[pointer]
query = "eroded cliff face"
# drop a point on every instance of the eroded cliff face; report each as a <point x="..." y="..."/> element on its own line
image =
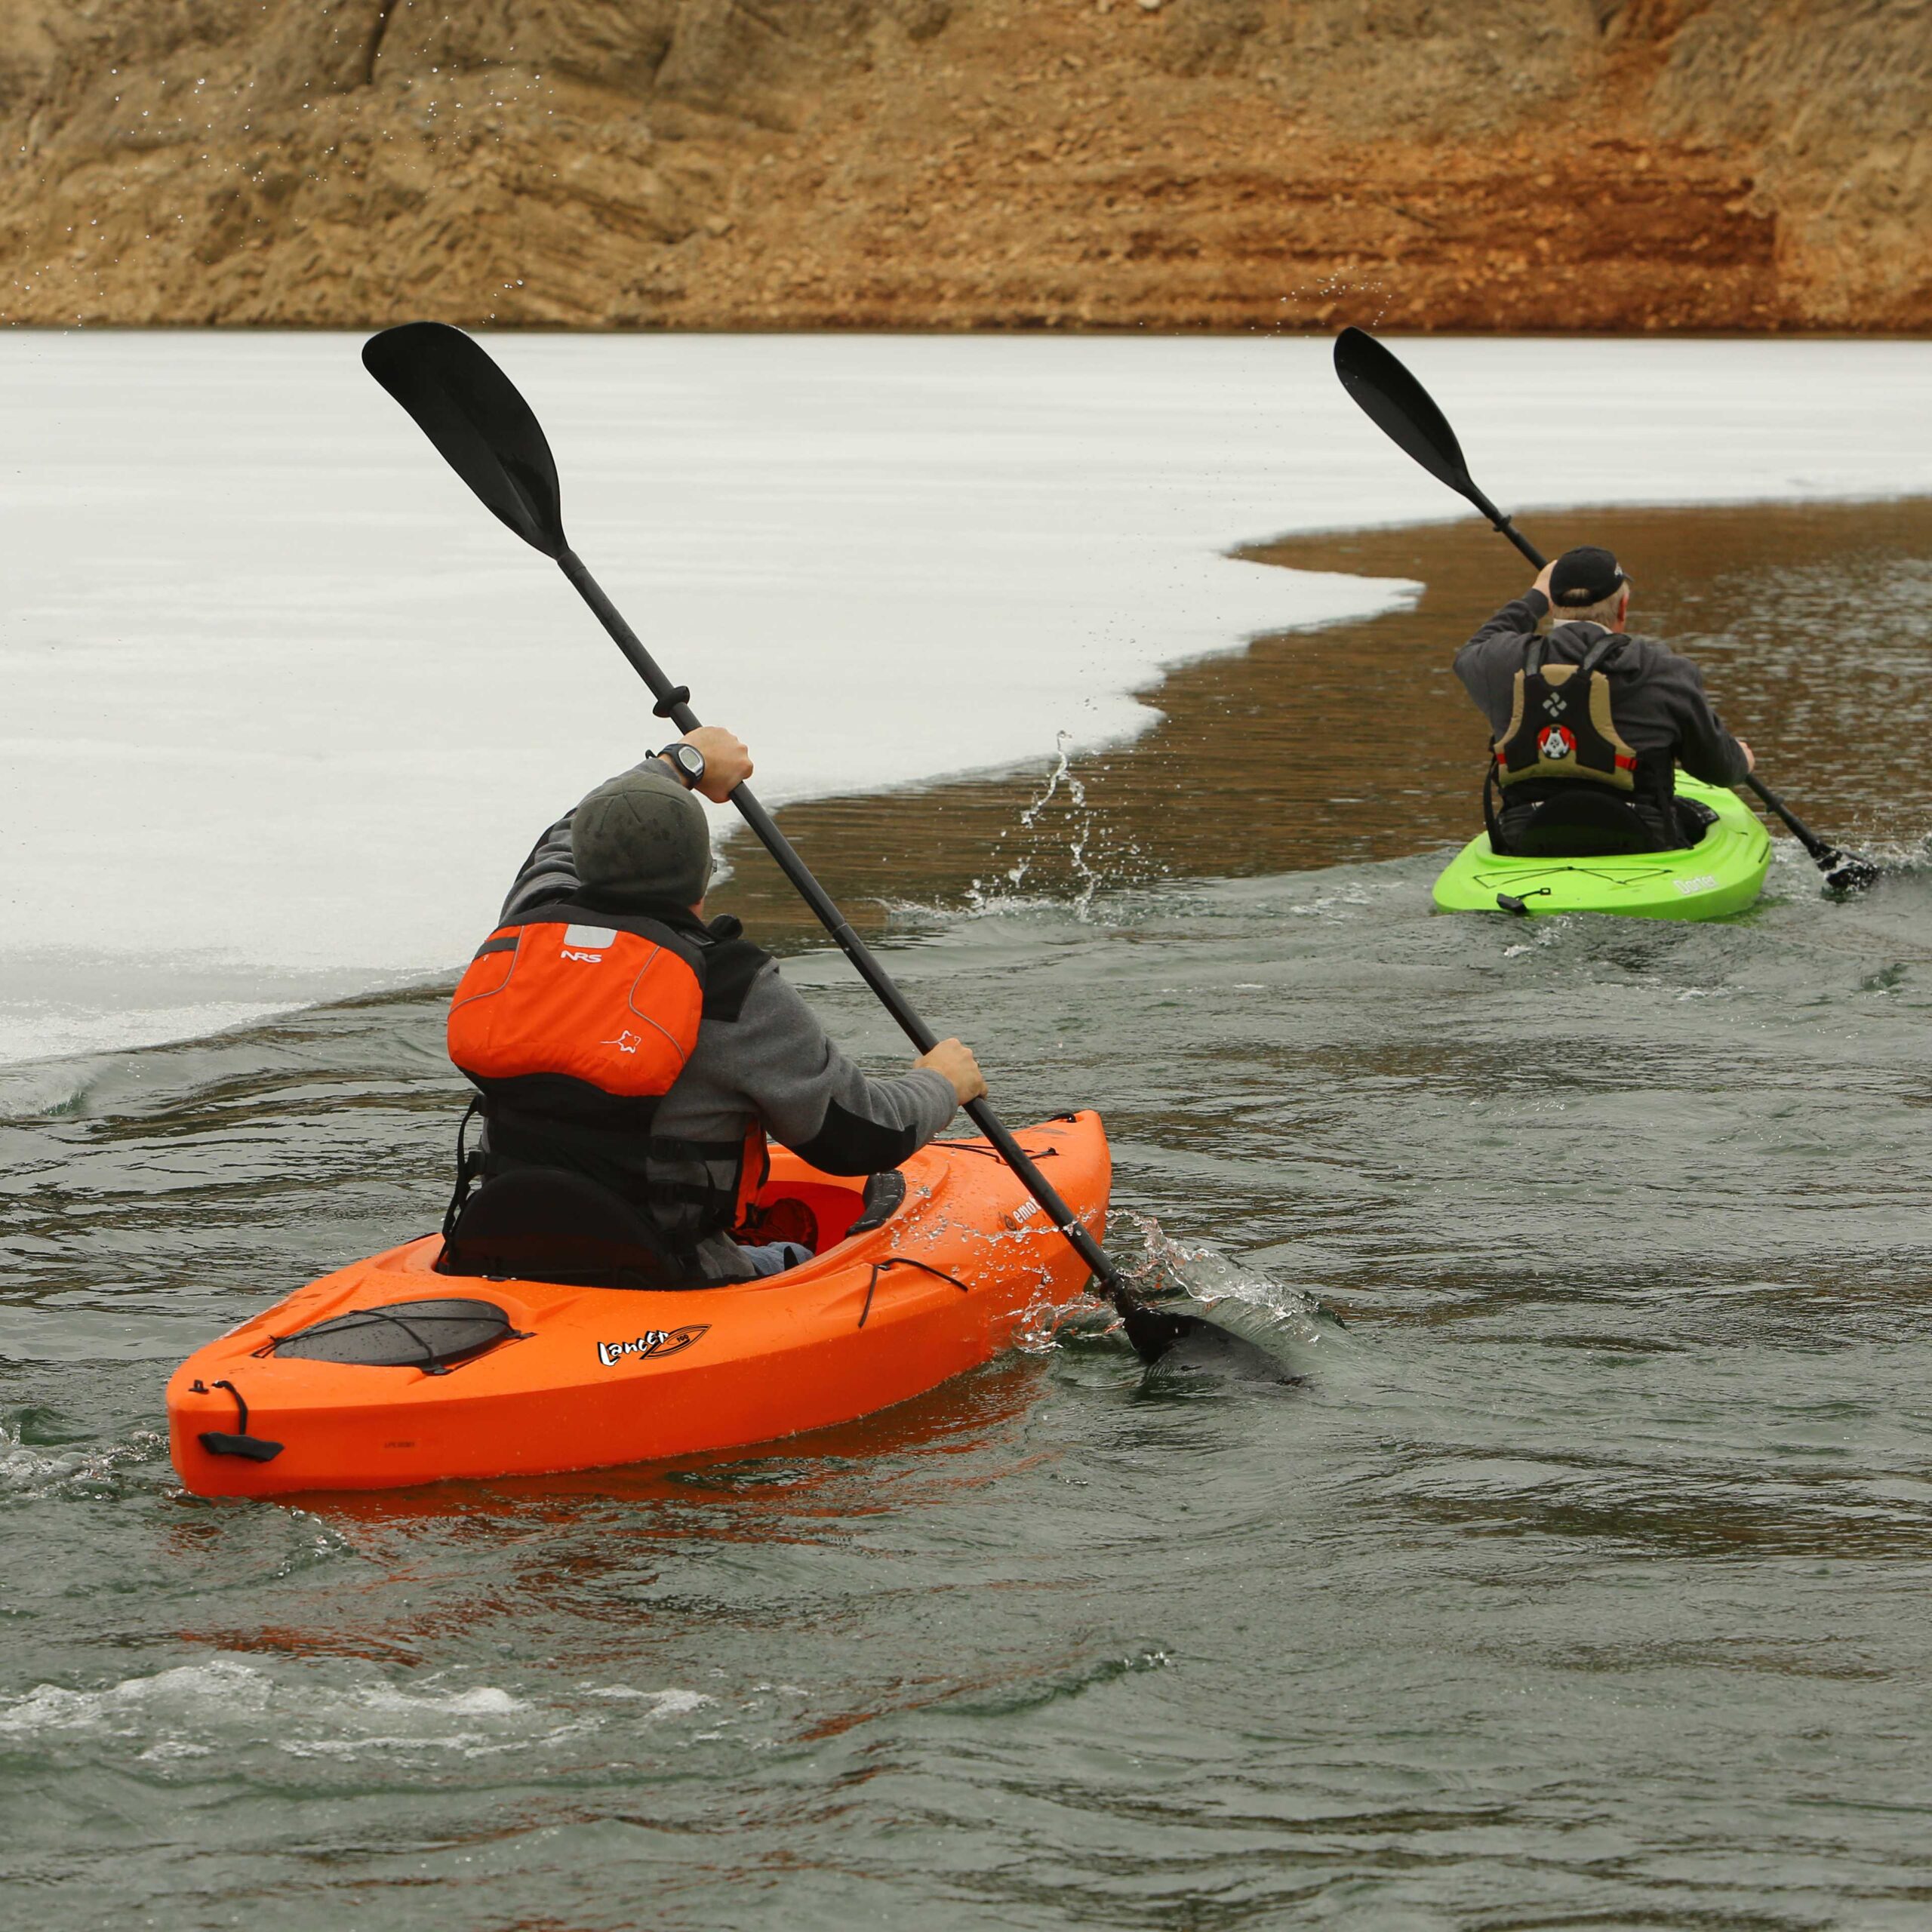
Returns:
<point x="1166" y="164"/>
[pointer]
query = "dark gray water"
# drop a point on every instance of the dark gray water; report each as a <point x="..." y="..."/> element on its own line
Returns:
<point x="1582" y="1583"/>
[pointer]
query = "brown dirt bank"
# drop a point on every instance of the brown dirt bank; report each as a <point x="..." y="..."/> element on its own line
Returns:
<point x="1808" y="620"/>
<point x="1613" y="165"/>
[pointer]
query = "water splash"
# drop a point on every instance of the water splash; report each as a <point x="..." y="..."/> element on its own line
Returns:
<point x="672" y="1703"/>
<point x="195" y="1709"/>
<point x="29" y="1470"/>
<point x="1166" y="1268"/>
<point x="1004" y="890"/>
<point x="1049" y="1319"/>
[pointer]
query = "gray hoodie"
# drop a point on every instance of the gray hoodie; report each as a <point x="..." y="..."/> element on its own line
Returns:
<point x="1657" y="697"/>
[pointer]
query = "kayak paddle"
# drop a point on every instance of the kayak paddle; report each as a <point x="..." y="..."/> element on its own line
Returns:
<point x="489" y="436"/>
<point x="1405" y="412"/>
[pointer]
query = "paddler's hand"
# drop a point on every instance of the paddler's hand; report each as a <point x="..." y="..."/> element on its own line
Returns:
<point x="1750" y="756"/>
<point x="957" y="1063"/>
<point x="1543" y="581"/>
<point x="727" y="763"/>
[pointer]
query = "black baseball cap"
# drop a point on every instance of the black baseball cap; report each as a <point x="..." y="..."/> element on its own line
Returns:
<point x="1585" y="575"/>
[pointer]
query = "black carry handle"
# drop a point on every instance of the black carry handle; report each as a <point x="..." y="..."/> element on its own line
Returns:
<point x="484" y="429"/>
<point x="1399" y="405"/>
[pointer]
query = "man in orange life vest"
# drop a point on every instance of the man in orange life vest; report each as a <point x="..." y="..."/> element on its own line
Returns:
<point x="1589" y="722"/>
<point x="617" y="1038"/>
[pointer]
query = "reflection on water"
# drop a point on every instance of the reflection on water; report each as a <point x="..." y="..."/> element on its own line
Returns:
<point x="1579" y="1583"/>
<point x="1811" y="623"/>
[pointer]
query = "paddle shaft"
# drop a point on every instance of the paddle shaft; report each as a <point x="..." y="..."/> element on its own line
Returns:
<point x="673" y="703"/>
<point x="1499" y="522"/>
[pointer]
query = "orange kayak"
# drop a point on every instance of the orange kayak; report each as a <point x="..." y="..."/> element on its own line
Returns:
<point x="386" y="1374"/>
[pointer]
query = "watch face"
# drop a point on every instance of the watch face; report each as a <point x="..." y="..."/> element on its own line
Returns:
<point x="690" y="761"/>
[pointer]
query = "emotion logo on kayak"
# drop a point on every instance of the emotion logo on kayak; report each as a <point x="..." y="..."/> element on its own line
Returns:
<point x="1556" y="742"/>
<point x="652" y="1342"/>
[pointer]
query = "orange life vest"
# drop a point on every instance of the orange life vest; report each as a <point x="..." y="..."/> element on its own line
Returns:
<point x="572" y="1024"/>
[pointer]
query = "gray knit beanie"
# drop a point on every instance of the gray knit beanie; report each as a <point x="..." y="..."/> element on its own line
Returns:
<point x="641" y="837"/>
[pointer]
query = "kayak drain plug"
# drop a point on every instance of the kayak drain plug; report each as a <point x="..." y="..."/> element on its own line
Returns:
<point x="1510" y="902"/>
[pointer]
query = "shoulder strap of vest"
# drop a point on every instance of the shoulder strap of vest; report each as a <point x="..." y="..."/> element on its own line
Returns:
<point x="732" y="962"/>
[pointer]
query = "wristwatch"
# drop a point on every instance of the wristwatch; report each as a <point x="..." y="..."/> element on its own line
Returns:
<point x="687" y="761"/>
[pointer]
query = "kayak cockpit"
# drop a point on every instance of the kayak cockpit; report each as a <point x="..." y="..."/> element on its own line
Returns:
<point x="547" y="1224"/>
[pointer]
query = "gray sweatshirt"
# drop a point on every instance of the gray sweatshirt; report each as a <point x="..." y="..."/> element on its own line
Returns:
<point x="1657" y="697"/>
<point x="761" y="1054"/>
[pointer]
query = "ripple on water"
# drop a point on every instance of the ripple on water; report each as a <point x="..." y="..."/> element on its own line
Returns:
<point x="1580" y="1581"/>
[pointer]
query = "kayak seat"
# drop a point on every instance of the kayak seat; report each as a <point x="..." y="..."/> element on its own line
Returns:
<point x="1694" y="819"/>
<point x="1580" y="821"/>
<point x="786" y="1218"/>
<point x="547" y="1224"/>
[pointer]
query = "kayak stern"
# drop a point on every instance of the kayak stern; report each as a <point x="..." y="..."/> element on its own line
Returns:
<point x="1722" y="874"/>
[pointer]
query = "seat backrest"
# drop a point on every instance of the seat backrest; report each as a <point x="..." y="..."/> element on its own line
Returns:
<point x="548" y="1224"/>
<point x="1583" y="821"/>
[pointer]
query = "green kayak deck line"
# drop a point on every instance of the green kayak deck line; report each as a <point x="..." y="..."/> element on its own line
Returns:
<point x="1723" y="873"/>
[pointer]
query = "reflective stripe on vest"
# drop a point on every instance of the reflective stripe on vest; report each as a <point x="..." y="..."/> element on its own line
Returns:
<point x="1561" y="725"/>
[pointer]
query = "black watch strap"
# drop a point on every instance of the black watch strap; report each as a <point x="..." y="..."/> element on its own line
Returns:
<point x="687" y="761"/>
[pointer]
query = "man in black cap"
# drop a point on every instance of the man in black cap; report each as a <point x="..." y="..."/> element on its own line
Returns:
<point x="639" y="847"/>
<point x="1588" y="722"/>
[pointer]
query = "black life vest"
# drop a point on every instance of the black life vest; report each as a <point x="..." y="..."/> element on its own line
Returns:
<point x="573" y="1023"/>
<point x="1561" y="725"/>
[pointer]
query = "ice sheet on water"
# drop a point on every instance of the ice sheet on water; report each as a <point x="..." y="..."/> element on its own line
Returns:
<point x="310" y="714"/>
<point x="44" y="1030"/>
<point x="62" y="1002"/>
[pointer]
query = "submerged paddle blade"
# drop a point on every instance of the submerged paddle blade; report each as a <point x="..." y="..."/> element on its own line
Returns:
<point x="1846" y="872"/>
<point x="471" y="411"/>
<point x="1400" y="407"/>
<point x="1189" y="1341"/>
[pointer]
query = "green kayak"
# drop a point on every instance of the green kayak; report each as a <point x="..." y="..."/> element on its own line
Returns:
<point x="1723" y="873"/>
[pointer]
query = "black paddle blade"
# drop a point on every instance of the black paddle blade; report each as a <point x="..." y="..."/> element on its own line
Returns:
<point x="1400" y="407"/>
<point x="1846" y="872"/>
<point x="471" y="411"/>
<point x="1187" y="1341"/>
